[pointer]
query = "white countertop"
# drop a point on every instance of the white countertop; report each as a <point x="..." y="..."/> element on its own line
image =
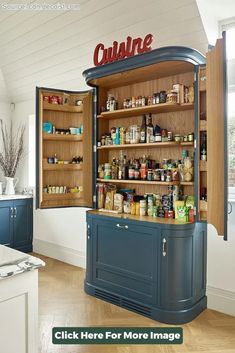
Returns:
<point x="14" y="197"/>
<point x="14" y="262"/>
<point x="11" y="256"/>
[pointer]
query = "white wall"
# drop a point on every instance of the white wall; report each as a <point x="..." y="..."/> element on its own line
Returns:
<point x="5" y="115"/>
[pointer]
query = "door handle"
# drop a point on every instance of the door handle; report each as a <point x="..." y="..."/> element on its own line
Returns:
<point x="164" y="247"/>
<point x="12" y="213"/>
<point x="15" y="212"/>
<point x="230" y="208"/>
<point x="122" y="226"/>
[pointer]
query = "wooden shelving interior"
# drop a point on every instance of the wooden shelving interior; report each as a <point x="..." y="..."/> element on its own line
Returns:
<point x="62" y="167"/>
<point x="202" y="175"/>
<point x="147" y="145"/>
<point x="153" y="109"/>
<point x="66" y="147"/>
<point x="62" y="108"/>
<point x="144" y="182"/>
<point x="58" y="137"/>
<point x="179" y="119"/>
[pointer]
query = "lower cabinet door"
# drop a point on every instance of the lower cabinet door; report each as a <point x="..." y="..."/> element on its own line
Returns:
<point x="125" y="259"/>
<point x="6" y="223"/>
<point x="22" y="224"/>
<point x="176" y="270"/>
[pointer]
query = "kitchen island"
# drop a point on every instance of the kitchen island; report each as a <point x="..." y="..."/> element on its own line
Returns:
<point x="18" y="301"/>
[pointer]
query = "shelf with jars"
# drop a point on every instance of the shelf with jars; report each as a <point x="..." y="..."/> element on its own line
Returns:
<point x="64" y="121"/>
<point x="158" y="108"/>
<point x="147" y="145"/>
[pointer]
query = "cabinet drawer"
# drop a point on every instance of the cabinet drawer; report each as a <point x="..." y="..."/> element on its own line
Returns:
<point x="125" y="258"/>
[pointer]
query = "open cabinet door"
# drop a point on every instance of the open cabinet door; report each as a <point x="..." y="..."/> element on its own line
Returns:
<point x="217" y="138"/>
<point x="64" y="148"/>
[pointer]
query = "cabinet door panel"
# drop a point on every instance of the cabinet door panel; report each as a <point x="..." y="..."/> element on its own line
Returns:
<point x="64" y="116"/>
<point x="6" y="223"/>
<point x="125" y="259"/>
<point x="22" y="223"/>
<point x="176" y="270"/>
<point x="216" y="139"/>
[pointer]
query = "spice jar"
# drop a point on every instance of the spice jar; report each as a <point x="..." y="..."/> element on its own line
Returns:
<point x="168" y="176"/>
<point x="164" y="135"/>
<point x="191" y="137"/>
<point x="177" y="138"/>
<point x="171" y="97"/>
<point x="150" y="175"/>
<point x="162" y="97"/>
<point x="157" y="175"/>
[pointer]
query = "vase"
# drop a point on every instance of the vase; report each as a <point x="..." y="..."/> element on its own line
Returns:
<point x="10" y="185"/>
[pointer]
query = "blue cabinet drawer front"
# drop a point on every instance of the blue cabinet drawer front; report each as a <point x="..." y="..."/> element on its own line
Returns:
<point x="132" y="249"/>
<point x="126" y="259"/>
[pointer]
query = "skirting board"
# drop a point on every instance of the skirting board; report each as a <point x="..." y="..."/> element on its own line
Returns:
<point x="221" y="300"/>
<point x="59" y="252"/>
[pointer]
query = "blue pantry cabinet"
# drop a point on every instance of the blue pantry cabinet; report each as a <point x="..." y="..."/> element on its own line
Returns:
<point x="16" y="220"/>
<point x="156" y="270"/>
<point x="157" y="266"/>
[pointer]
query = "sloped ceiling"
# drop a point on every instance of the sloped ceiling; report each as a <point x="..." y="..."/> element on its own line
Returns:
<point x="53" y="48"/>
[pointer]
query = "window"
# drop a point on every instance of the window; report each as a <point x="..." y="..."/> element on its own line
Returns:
<point x="32" y="151"/>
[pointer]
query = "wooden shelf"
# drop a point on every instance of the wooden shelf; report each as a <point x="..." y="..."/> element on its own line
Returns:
<point x="62" y="108"/>
<point x="62" y="167"/>
<point x="203" y="125"/>
<point x="146" y="145"/>
<point x="157" y="108"/>
<point x="143" y="182"/>
<point x="58" y="137"/>
<point x="124" y="216"/>
<point x="187" y="183"/>
<point x="203" y="166"/>
<point x="67" y="196"/>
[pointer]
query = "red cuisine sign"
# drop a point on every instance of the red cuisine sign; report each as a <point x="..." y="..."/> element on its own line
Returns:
<point x="123" y="50"/>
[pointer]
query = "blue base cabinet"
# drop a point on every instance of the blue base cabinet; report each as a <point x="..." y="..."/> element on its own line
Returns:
<point x="16" y="220"/>
<point x="156" y="270"/>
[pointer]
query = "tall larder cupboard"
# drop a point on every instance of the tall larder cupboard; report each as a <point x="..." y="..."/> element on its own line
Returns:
<point x="154" y="266"/>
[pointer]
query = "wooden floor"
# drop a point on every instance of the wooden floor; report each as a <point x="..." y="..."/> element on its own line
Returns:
<point x="62" y="302"/>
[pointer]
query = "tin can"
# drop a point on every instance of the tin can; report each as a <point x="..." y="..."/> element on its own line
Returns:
<point x="170" y="136"/>
<point x="150" y="175"/>
<point x="142" y="207"/>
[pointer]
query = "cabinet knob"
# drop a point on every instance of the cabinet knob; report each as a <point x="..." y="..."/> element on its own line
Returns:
<point x="122" y="226"/>
<point x="164" y="247"/>
<point x="15" y="212"/>
<point x="11" y="212"/>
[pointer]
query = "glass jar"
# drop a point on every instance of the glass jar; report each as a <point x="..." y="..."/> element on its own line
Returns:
<point x="171" y="97"/>
<point x="162" y="97"/>
<point x="142" y="207"/>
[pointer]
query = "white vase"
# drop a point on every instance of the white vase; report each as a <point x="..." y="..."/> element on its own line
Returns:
<point x="10" y="185"/>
